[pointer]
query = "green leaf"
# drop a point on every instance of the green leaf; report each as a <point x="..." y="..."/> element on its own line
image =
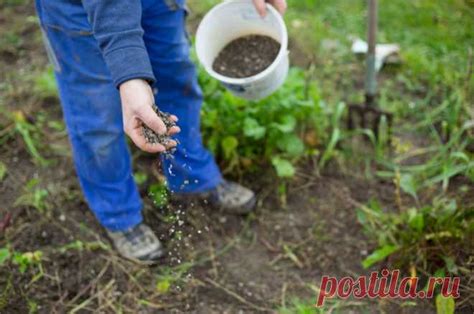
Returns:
<point x="4" y="255"/>
<point x="45" y="83"/>
<point x="283" y="167"/>
<point x="140" y="178"/>
<point x="291" y="144"/>
<point x="374" y="205"/>
<point x="408" y="184"/>
<point x="331" y="147"/>
<point x="416" y="220"/>
<point x="253" y="129"/>
<point x="229" y="145"/>
<point x="287" y="124"/>
<point x="31" y="184"/>
<point x="361" y="216"/>
<point x="3" y="171"/>
<point x="378" y="255"/>
<point x="445" y="305"/>
<point x="159" y="194"/>
<point x="163" y="285"/>
<point x="450" y="265"/>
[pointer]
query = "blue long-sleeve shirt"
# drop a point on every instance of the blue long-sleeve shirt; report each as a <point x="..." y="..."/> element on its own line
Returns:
<point x="116" y="25"/>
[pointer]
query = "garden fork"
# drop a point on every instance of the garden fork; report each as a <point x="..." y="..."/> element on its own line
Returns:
<point x="368" y="115"/>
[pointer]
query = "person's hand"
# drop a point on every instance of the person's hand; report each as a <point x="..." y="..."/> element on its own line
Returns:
<point x="137" y="100"/>
<point x="280" y="5"/>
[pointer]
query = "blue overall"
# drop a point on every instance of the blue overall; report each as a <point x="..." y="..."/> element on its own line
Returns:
<point x="92" y="108"/>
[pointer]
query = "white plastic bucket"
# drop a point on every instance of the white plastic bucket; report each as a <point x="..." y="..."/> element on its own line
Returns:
<point x="233" y="19"/>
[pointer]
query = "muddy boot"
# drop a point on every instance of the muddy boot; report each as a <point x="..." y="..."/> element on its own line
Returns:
<point x="138" y="244"/>
<point x="229" y="197"/>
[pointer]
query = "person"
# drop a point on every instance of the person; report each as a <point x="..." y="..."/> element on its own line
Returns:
<point x="113" y="60"/>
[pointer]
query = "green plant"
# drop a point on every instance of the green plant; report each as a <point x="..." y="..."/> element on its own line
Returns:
<point x="27" y="260"/>
<point x="29" y="132"/>
<point x="158" y="192"/>
<point x="4" y="256"/>
<point x="299" y="306"/>
<point x="431" y="239"/>
<point x="140" y="178"/>
<point x="445" y="159"/>
<point x="5" y="294"/>
<point x="34" y="196"/>
<point x="444" y="305"/>
<point x="421" y="236"/>
<point x="45" y="84"/>
<point x="279" y="130"/>
<point x="3" y="171"/>
<point x="24" y="260"/>
<point x="172" y="276"/>
<point x="80" y="246"/>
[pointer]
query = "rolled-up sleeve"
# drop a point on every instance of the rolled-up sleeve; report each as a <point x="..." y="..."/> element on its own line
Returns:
<point x="117" y="28"/>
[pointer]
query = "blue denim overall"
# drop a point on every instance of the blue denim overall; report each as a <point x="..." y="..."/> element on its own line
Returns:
<point x="92" y="110"/>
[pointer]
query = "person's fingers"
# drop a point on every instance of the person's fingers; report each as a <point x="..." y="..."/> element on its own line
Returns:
<point x="260" y="6"/>
<point x="139" y="140"/>
<point x="171" y="144"/>
<point x="174" y="118"/>
<point x="174" y="130"/>
<point x="280" y="5"/>
<point x="148" y="116"/>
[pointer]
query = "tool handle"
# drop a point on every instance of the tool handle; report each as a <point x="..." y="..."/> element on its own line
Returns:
<point x="371" y="75"/>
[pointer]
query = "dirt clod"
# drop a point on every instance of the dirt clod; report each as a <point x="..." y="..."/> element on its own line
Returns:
<point x="247" y="56"/>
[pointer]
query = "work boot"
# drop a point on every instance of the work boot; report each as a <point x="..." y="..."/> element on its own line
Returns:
<point x="138" y="244"/>
<point x="230" y="197"/>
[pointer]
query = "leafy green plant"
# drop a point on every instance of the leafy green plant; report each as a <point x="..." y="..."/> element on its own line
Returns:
<point x="418" y="236"/>
<point x="247" y="135"/>
<point x="172" y="276"/>
<point x="429" y="238"/>
<point x="27" y="260"/>
<point x="158" y="192"/>
<point x="24" y="260"/>
<point x="34" y="196"/>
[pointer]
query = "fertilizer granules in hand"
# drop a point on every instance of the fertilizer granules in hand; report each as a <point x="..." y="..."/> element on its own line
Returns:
<point x="153" y="138"/>
<point x="246" y="56"/>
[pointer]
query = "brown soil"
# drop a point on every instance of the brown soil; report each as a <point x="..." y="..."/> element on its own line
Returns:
<point x="246" y="56"/>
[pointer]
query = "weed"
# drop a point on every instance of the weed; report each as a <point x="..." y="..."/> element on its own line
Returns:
<point x="34" y="196"/>
<point x="24" y="261"/>
<point x="28" y="132"/>
<point x="430" y="238"/>
<point x="140" y="178"/>
<point x="80" y="246"/>
<point x="298" y="306"/>
<point x="3" y="171"/>
<point x="158" y="192"/>
<point x="45" y="84"/>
